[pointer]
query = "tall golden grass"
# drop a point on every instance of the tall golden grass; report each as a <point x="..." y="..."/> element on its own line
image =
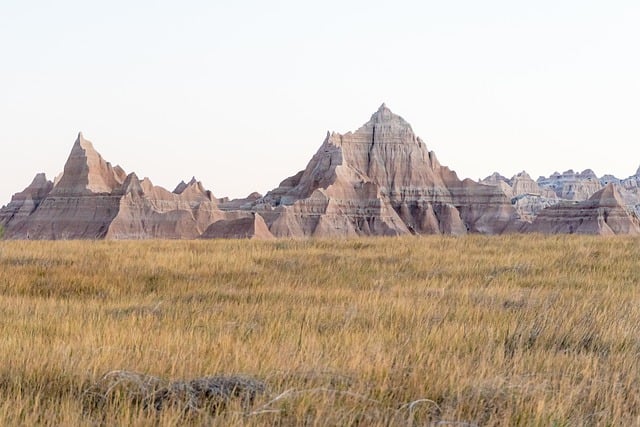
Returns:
<point x="510" y="330"/>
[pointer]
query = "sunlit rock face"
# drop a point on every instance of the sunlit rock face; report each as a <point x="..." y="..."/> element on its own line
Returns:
<point x="93" y="200"/>
<point x="379" y="180"/>
<point x="382" y="180"/>
<point x="80" y="205"/>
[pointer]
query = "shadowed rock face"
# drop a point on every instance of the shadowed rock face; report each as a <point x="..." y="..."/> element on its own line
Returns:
<point x="604" y="213"/>
<point x="87" y="173"/>
<point x="27" y="201"/>
<point x="245" y="227"/>
<point x="80" y="205"/>
<point x="382" y="180"/>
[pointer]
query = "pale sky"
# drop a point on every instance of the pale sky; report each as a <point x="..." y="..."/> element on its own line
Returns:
<point x="241" y="93"/>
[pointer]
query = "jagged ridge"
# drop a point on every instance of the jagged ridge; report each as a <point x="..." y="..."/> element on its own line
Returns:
<point x="379" y="180"/>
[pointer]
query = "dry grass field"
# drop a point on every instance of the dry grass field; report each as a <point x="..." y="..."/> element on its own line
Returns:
<point x="442" y="331"/>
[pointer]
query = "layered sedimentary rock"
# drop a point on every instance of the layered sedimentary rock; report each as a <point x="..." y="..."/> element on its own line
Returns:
<point x="381" y="180"/>
<point x="148" y="211"/>
<point x="631" y="193"/>
<point x="80" y="205"/>
<point x="93" y="200"/>
<point x="239" y="204"/>
<point x="572" y="185"/>
<point x="244" y="227"/>
<point x="526" y="196"/>
<point x="499" y="181"/>
<point x="604" y="213"/>
<point x="27" y="201"/>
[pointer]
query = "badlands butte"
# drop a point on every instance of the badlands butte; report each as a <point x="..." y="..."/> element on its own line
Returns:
<point x="380" y="180"/>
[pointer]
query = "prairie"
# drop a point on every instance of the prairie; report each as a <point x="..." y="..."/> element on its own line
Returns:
<point x="509" y="330"/>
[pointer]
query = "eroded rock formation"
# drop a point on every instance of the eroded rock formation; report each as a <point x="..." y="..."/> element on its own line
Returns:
<point x="526" y="196"/>
<point x="23" y="204"/>
<point x="379" y="180"/>
<point x="572" y="185"/>
<point x="382" y="180"/>
<point x="604" y="213"/>
<point x="244" y="227"/>
<point x="93" y="200"/>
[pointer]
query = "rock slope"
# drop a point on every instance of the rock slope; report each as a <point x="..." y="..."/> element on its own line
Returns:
<point x="381" y="180"/>
<point x="378" y="180"/>
<point x="94" y="200"/>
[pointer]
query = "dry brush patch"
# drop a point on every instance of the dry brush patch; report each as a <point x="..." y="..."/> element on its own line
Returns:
<point x="479" y="330"/>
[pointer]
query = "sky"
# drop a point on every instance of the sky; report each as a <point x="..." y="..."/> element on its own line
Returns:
<point x="241" y="93"/>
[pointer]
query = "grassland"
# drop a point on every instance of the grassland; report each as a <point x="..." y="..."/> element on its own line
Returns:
<point x="512" y="330"/>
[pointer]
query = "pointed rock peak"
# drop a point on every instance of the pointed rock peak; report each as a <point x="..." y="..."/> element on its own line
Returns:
<point x="638" y="172"/>
<point x="39" y="180"/>
<point x="38" y="188"/>
<point x="131" y="181"/>
<point x="522" y="174"/>
<point x="384" y="115"/>
<point x="180" y="188"/>
<point x="608" y="196"/>
<point x="82" y="141"/>
<point x="183" y="185"/>
<point x="588" y="173"/>
<point x="87" y="172"/>
<point x="83" y="145"/>
<point x="494" y="178"/>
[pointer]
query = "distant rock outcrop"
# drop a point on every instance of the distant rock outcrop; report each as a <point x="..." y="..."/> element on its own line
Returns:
<point x="604" y="213"/>
<point x="526" y="196"/>
<point x="571" y="185"/>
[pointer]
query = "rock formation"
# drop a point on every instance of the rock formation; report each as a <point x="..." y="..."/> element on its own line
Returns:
<point x="245" y="227"/>
<point x="379" y="180"/>
<point x="604" y="213"/>
<point x="526" y="196"/>
<point x="147" y="211"/>
<point x="571" y="185"/>
<point x="27" y="201"/>
<point x="93" y="200"/>
<point x="80" y="205"/>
